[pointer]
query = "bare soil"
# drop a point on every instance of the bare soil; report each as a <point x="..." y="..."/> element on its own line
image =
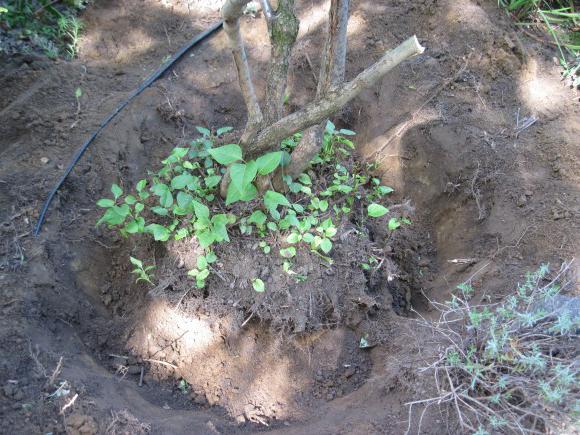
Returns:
<point x="490" y="201"/>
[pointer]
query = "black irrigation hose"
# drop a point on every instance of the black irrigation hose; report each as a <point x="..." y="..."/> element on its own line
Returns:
<point x="162" y="69"/>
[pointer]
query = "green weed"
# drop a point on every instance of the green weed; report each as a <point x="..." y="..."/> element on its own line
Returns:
<point x="49" y="26"/>
<point x="512" y="366"/>
<point x="180" y="200"/>
<point x="561" y="20"/>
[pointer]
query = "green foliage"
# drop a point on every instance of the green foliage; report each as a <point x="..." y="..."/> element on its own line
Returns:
<point x="183" y="386"/>
<point x="561" y="20"/>
<point x="258" y="285"/>
<point x="180" y="200"/>
<point x="141" y="271"/>
<point x="508" y="359"/>
<point x="51" y="27"/>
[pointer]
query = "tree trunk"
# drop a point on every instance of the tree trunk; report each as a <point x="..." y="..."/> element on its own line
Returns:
<point x="283" y="28"/>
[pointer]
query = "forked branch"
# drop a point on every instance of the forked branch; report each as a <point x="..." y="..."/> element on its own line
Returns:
<point x="336" y="98"/>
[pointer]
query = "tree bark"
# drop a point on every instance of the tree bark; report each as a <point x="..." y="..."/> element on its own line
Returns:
<point x="283" y="28"/>
<point x="332" y="70"/>
<point x="231" y="13"/>
<point x="335" y="99"/>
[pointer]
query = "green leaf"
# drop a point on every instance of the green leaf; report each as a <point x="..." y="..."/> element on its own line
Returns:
<point x="166" y="199"/>
<point x="135" y="226"/>
<point x="257" y="217"/>
<point x="205" y="238"/>
<point x="220" y="231"/>
<point x="201" y="211"/>
<point x="326" y="245"/>
<point x="293" y="238"/>
<point x="305" y="179"/>
<point x="203" y="274"/>
<point x="181" y="181"/>
<point x="394" y="224"/>
<point x="184" y="200"/>
<point x="308" y="237"/>
<point x="384" y="190"/>
<point x="269" y="162"/>
<point x="105" y="203"/>
<point x="330" y="128"/>
<point x="299" y="208"/>
<point x="139" y="207"/>
<point x="226" y="154"/>
<point x="136" y="262"/>
<point x="235" y="195"/>
<point x="258" y="285"/>
<point x="273" y="199"/>
<point x="211" y="257"/>
<point x="141" y="185"/>
<point x="288" y="252"/>
<point x="116" y="190"/>
<point x="112" y="217"/>
<point x="242" y="175"/>
<point x="203" y="130"/>
<point x="346" y="132"/>
<point x="159" y="232"/>
<point x="179" y="152"/>
<point x="182" y="233"/>
<point x="78" y="93"/>
<point x="223" y="130"/>
<point x="212" y="181"/>
<point x="161" y="211"/>
<point x="130" y="199"/>
<point x="323" y="205"/>
<point x="376" y="210"/>
<point x="201" y="262"/>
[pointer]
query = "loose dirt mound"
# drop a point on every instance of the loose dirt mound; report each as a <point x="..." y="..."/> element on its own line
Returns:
<point x="491" y="202"/>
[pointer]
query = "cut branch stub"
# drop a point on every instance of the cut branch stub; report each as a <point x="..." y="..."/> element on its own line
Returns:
<point x="336" y="98"/>
<point x="231" y="13"/>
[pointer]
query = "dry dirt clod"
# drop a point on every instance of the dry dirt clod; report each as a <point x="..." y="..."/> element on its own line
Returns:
<point x="522" y="200"/>
<point x="80" y="424"/>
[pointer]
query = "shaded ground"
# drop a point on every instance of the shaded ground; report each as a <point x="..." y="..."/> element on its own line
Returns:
<point x="491" y="203"/>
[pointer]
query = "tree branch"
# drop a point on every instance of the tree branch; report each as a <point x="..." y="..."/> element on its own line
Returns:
<point x="336" y="98"/>
<point x="333" y="62"/>
<point x="267" y="9"/>
<point x="283" y="29"/>
<point x="231" y="13"/>
<point x="332" y="70"/>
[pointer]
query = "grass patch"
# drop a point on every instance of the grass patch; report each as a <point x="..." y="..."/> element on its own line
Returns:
<point x="510" y="367"/>
<point x="42" y="25"/>
<point x="558" y="18"/>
